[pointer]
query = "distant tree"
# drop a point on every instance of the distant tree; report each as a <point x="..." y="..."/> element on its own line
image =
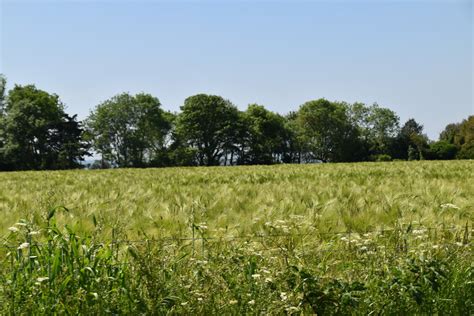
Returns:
<point x="327" y="132"/>
<point x="441" y="150"/>
<point x="410" y="143"/>
<point x="451" y="134"/>
<point x="3" y="91"/>
<point x="67" y="143"/>
<point x="31" y="121"/>
<point x="377" y="126"/>
<point x="466" y="138"/>
<point x="3" y="161"/>
<point x="293" y="140"/>
<point x="129" y="131"/>
<point x="209" y="125"/>
<point x="266" y="133"/>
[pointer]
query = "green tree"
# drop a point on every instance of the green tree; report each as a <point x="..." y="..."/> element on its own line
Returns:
<point x="441" y="150"/>
<point x="129" y="131"/>
<point x="451" y="134"/>
<point x="67" y="143"/>
<point x="209" y="124"/>
<point x="466" y="138"/>
<point x="411" y="143"/>
<point x="266" y="133"/>
<point x="326" y="132"/>
<point x="293" y="140"/>
<point x="3" y="83"/>
<point x="29" y="117"/>
<point x="3" y="87"/>
<point x="377" y="126"/>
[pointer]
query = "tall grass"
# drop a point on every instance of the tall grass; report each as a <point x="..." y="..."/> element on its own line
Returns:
<point x="375" y="238"/>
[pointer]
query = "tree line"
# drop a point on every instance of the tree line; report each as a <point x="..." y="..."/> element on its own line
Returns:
<point x="128" y="130"/>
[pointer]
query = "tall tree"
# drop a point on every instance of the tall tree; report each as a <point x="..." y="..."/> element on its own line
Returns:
<point x="411" y="143"/>
<point x="3" y="87"/>
<point x="67" y="143"/>
<point x="377" y="126"/>
<point x="129" y="131"/>
<point x="266" y="134"/>
<point x="327" y="132"/>
<point x="209" y="124"/>
<point x="466" y="138"/>
<point x="3" y="83"/>
<point x="29" y="114"/>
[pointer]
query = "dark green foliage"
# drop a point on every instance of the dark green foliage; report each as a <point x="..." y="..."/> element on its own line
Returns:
<point x="36" y="133"/>
<point x="209" y="124"/>
<point x="441" y="150"/>
<point x="326" y="132"/>
<point x="264" y="142"/>
<point x="133" y="131"/>
<point x="129" y="131"/>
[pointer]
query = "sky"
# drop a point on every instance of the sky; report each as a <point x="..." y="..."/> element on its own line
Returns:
<point x="414" y="57"/>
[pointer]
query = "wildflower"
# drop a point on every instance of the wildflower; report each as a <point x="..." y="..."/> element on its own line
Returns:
<point x="266" y="271"/>
<point x="41" y="279"/>
<point x="435" y="247"/>
<point x="233" y="302"/>
<point x="268" y="280"/>
<point x="256" y="276"/>
<point x="184" y="303"/>
<point x="32" y="233"/>
<point x="283" y="296"/>
<point x="449" y="205"/>
<point x="13" y="229"/>
<point x="24" y="245"/>
<point x="419" y="231"/>
<point x="20" y="224"/>
<point x="252" y="302"/>
<point x="199" y="299"/>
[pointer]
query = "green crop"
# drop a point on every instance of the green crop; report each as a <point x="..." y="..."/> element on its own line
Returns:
<point x="327" y="239"/>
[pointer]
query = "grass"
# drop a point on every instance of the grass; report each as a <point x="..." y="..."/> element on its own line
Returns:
<point x="326" y="239"/>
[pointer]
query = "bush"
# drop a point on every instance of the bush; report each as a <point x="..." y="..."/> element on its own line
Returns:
<point x="381" y="157"/>
<point x="441" y="150"/>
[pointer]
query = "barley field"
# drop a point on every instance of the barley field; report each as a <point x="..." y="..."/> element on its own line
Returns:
<point x="325" y="239"/>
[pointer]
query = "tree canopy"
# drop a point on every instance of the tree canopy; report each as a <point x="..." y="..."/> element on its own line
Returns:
<point x="134" y="131"/>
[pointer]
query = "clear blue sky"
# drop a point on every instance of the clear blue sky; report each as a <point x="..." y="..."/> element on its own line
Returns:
<point x="414" y="57"/>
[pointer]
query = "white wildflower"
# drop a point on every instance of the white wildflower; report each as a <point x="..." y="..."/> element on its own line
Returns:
<point x="184" y="303"/>
<point x="252" y="302"/>
<point x="283" y="296"/>
<point x="41" y="279"/>
<point x="24" y="245"/>
<point x="268" y="280"/>
<point x="199" y="299"/>
<point x="449" y="205"/>
<point x="233" y="302"/>
<point x="32" y="233"/>
<point x="256" y="276"/>
<point x="13" y="229"/>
